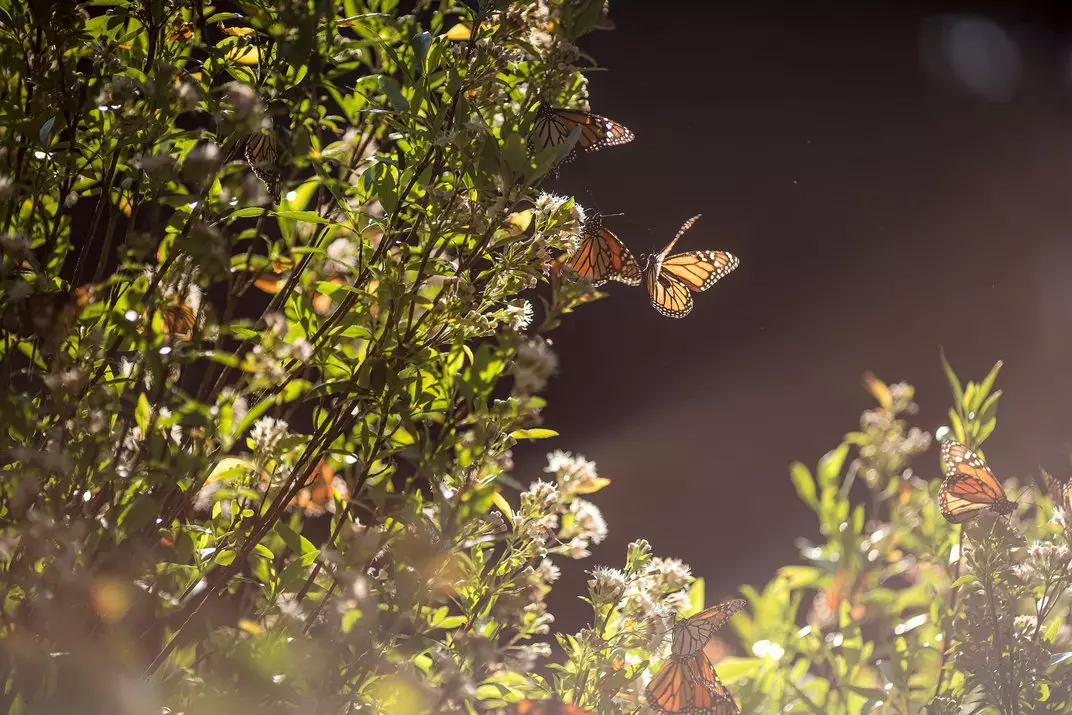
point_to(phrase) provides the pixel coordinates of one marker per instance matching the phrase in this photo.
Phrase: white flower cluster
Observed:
(533, 366)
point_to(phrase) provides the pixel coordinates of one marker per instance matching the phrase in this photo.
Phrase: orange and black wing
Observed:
(970, 488)
(552, 127)
(601, 256)
(689, 685)
(179, 320)
(699, 270)
(550, 706)
(716, 616)
(669, 296)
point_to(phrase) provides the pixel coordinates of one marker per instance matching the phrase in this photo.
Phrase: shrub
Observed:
(896, 610)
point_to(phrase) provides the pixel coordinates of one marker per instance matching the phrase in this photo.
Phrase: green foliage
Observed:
(267, 296)
(898, 611)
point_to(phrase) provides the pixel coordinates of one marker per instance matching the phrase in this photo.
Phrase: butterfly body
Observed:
(969, 488)
(687, 682)
(671, 280)
(601, 256)
(552, 126)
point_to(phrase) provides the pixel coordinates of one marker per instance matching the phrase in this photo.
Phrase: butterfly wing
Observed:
(262, 153)
(970, 488)
(699, 270)
(669, 296)
(710, 695)
(689, 685)
(552, 127)
(602, 257)
(716, 616)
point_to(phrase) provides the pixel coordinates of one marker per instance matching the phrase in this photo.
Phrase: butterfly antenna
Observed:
(680, 232)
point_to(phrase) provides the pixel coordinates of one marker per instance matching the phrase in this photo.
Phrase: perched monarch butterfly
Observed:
(262, 153)
(550, 706)
(688, 683)
(553, 126)
(179, 320)
(671, 280)
(970, 488)
(601, 256)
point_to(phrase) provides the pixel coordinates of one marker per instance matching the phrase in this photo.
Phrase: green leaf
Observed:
(142, 414)
(804, 484)
(954, 382)
(966, 578)
(226, 557)
(696, 598)
(534, 433)
(985, 387)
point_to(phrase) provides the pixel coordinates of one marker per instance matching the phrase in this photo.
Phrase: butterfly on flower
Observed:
(601, 256)
(687, 682)
(552, 126)
(671, 280)
(969, 488)
(549, 706)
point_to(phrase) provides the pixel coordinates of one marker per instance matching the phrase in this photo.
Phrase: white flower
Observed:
(266, 434)
(669, 575)
(606, 585)
(519, 315)
(342, 256)
(574, 473)
(587, 523)
(534, 364)
(547, 572)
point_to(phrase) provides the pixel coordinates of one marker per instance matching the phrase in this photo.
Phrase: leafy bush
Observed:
(267, 347)
(899, 611)
(267, 283)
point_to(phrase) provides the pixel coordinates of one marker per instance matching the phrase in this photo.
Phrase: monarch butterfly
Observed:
(969, 488)
(550, 706)
(601, 256)
(179, 320)
(671, 280)
(552, 127)
(687, 683)
(262, 153)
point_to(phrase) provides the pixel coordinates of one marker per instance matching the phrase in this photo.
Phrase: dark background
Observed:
(894, 176)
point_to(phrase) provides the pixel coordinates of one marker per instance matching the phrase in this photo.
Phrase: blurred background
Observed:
(895, 177)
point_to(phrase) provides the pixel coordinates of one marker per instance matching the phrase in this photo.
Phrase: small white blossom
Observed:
(534, 364)
(266, 434)
(342, 256)
(606, 585)
(587, 523)
(574, 473)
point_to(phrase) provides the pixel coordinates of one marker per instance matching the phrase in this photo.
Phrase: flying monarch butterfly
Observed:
(671, 280)
(688, 683)
(262, 153)
(601, 256)
(550, 706)
(969, 488)
(552, 126)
